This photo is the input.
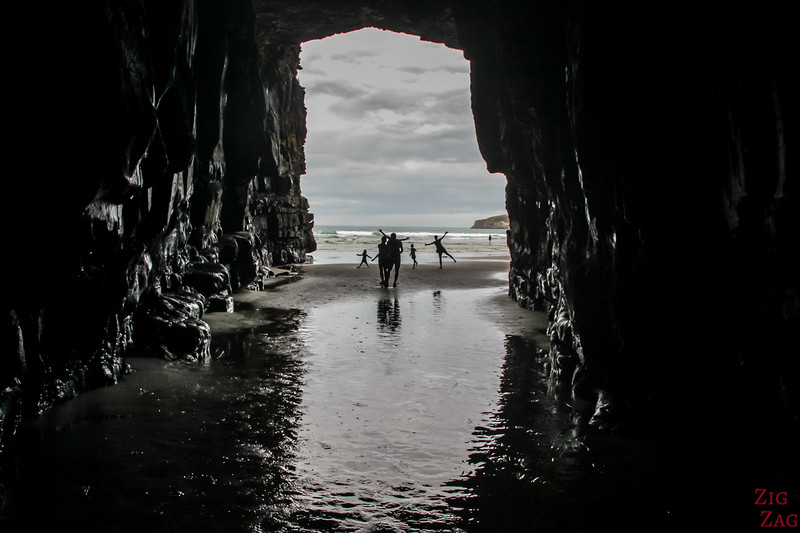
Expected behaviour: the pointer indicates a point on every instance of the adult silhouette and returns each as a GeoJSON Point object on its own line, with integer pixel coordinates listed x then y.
{"type": "Point", "coordinates": [395, 248]}
{"type": "Point", "coordinates": [383, 260]}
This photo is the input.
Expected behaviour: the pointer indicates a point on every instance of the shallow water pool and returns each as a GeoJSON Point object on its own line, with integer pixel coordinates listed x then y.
{"type": "Point", "coordinates": [395, 411]}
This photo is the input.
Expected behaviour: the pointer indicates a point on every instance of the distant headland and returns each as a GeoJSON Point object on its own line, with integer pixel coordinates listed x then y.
{"type": "Point", "coordinates": [496, 222]}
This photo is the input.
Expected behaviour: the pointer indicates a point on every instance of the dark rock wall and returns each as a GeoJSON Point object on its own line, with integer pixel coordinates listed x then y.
{"type": "Point", "coordinates": [161, 155]}
{"type": "Point", "coordinates": [652, 188]}
{"type": "Point", "coordinates": [652, 193]}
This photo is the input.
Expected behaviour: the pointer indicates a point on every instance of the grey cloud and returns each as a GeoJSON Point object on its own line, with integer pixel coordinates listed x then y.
{"type": "Point", "coordinates": [379, 192]}
{"type": "Point", "coordinates": [399, 102]}
{"type": "Point", "coordinates": [354, 56]}
{"type": "Point", "coordinates": [338, 88]}
{"type": "Point", "coordinates": [414, 70]}
{"type": "Point", "coordinates": [456, 101]}
{"type": "Point", "coordinates": [452, 69]}
{"type": "Point", "coordinates": [463, 68]}
{"type": "Point", "coordinates": [309, 72]}
{"type": "Point", "coordinates": [451, 107]}
{"type": "Point", "coordinates": [390, 147]}
{"type": "Point", "coordinates": [359, 172]}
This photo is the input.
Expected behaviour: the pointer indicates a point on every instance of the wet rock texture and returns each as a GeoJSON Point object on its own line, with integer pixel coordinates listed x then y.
{"type": "Point", "coordinates": [652, 187]}
{"type": "Point", "coordinates": [169, 144]}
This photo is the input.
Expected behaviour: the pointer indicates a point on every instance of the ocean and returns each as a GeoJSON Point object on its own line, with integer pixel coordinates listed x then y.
{"type": "Point", "coordinates": [341, 244]}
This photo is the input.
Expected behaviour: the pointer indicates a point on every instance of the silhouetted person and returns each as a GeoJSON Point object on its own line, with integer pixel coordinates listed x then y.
{"type": "Point", "coordinates": [383, 260]}
{"type": "Point", "coordinates": [413, 253]}
{"type": "Point", "coordinates": [395, 247]}
{"type": "Point", "coordinates": [490, 238]}
{"type": "Point", "coordinates": [363, 259]}
{"type": "Point", "coordinates": [440, 249]}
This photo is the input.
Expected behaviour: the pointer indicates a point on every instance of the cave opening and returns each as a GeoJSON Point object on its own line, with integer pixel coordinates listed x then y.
{"type": "Point", "coordinates": [391, 139]}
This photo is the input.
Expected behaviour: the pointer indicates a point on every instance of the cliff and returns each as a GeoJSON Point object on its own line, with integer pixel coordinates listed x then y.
{"type": "Point", "coordinates": [496, 222]}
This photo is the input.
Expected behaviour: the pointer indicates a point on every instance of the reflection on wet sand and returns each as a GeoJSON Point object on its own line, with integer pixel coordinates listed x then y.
{"type": "Point", "coordinates": [539, 466]}
{"type": "Point", "coordinates": [389, 408]}
{"type": "Point", "coordinates": [389, 314]}
{"type": "Point", "coordinates": [173, 447]}
{"type": "Point", "coordinates": [415, 411]}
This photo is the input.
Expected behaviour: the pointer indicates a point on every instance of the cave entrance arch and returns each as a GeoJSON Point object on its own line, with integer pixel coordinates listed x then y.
{"type": "Point", "coordinates": [390, 133]}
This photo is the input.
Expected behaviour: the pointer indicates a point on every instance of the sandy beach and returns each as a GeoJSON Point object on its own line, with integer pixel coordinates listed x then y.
{"type": "Point", "coordinates": [313, 285]}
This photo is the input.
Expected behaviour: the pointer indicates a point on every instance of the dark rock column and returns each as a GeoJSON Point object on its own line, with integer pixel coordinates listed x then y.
{"type": "Point", "coordinates": [168, 126]}
{"type": "Point", "coordinates": [649, 188]}
{"type": "Point", "coordinates": [280, 214]}
{"type": "Point", "coordinates": [519, 78]}
{"type": "Point", "coordinates": [243, 114]}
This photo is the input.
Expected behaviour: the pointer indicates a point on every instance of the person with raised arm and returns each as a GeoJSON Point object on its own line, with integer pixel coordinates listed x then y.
{"type": "Point", "coordinates": [440, 249]}
{"type": "Point", "coordinates": [363, 256]}
{"type": "Point", "coordinates": [383, 260]}
{"type": "Point", "coordinates": [395, 247]}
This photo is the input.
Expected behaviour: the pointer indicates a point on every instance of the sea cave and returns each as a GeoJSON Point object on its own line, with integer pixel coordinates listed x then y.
{"type": "Point", "coordinates": [650, 155]}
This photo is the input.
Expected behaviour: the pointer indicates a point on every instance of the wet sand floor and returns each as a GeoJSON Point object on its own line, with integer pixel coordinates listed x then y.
{"type": "Point", "coordinates": [333, 404]}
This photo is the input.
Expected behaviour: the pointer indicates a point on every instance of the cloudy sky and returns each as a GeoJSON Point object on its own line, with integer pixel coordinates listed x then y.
{"type": "Point", "coordinates": [391, 139]}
